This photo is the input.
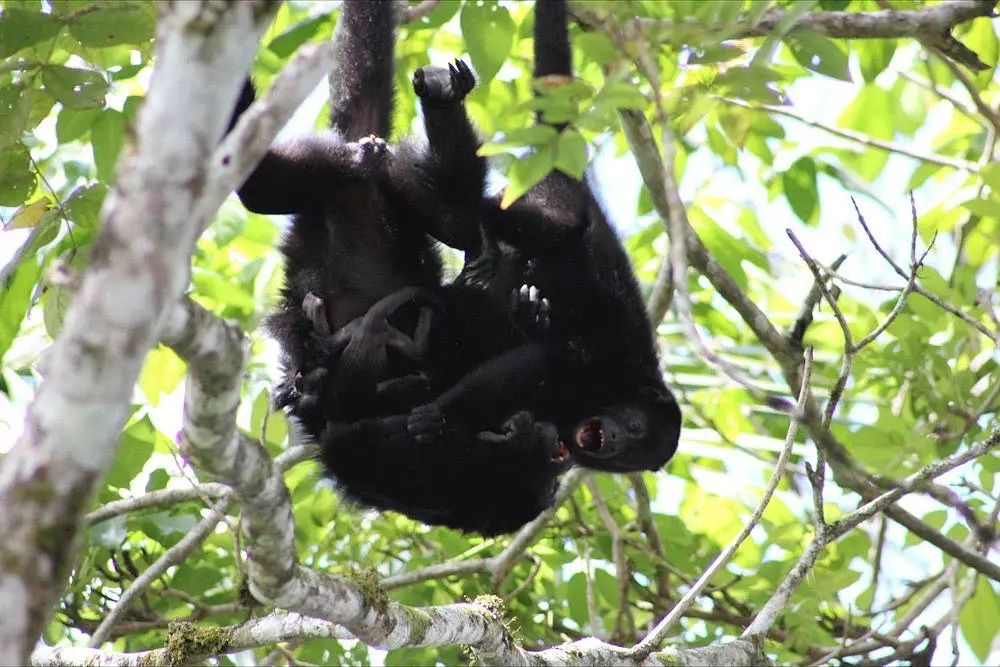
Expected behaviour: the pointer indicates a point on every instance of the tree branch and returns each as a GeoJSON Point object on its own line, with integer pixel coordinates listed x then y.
{"type": "Point", "coordinates": [932, 23]}
{"type": "Point", "coordinates": [140, 263]}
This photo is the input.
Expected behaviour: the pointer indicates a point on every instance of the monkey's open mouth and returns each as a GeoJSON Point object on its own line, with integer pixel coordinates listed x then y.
{"type": "Point", "coordinates": [590, 436]}
{"type": "Point", "coordinates": [562, 452]}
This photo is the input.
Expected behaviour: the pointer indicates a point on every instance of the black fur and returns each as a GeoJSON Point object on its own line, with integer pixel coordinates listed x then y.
{"type": "Point", "coordinates": [361, 208]}
{"type": "Point", "coordinates": [355, 255]}
{"type": "Point", "coordinates": [595, 374]}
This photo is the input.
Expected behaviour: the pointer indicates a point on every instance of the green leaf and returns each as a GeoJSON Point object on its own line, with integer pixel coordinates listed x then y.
{"type": "Point", "coordinates": [195, 580]}
{"type": "Point", "coordinates": [525, 174]}
{"type": "Point", "coordinates": [15, 298]}
{"type": "Point", "coordinates": [488, 30]}
{"type": "Point", "coordinates": [991, 174]}
{"type": "Point", "coordinates": [621, 96]}
{"type": "Point", "coordinates": [109, 534]}
{"type": "Point", "coordinates": [536, 135]}
{"type": "Point", "coordinates": [440, 15]}
{"type": "Point", "coordinates": [134, 450]}
{"type": "Point", "coordinates": [107, 136]}
{"type": "Point", "coordinates": [72, 123]}
{"type": "Point", "coordinates": [157, 480]}
{"type": "Point", "coordinates": [874, 56]}
{"type": "Point", "coordinates": [162, 372]}
{"type": "Point", "coordinates": [167, 527]}
{"type": "Point", "coordinates": [735, 124]}
{"type": "Point", "coordinates": [799, 183]}
{"type": "Point", "coordinates": [20, 28]}
{"type": "Point", "coordinates": [17, 180]}
{"type": "Point", "coordinates": [715, 53]}
{"type": "Point", "coordinates": [42, 233]}
{"type": "Point", "coordinates": [30, 215]}
{"type": "Point", "coordinates": [986, 208]}
{"type": "Point", "coordinates": [980, 618]}
{"type": "Point", "coordinates": [596, 47]}
{"type": "Point", "coordinates": [285, 44]}
{"type": "Point", "coordinates": [83, 207]}
{"type": "Point", "coordinates": [15, 110]}
{"type": "Point", "coordinates": [576, 597]}
{"type": "Point", "coordinates": [819, 54]}
{"type": "Point", "coordinates": [77, 88]}
{"type": "Point", "coordinates": [571, 153]}
{"type": "Point", "coordinates": [115, 22]}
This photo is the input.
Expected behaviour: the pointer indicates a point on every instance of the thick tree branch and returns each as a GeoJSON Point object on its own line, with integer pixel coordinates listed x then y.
{"type": "Point", "coordinates": [214, 352]}
{"type": "Point", "coordinates": [139, 265]}
{"type": "Point", "coordinates": [931, 25]}
{"type": "Point", "coordinates": [277, 628]}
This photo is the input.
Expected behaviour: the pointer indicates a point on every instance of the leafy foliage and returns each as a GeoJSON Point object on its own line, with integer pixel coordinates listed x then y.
{"type": "Point", "coordinates": [73, 74]}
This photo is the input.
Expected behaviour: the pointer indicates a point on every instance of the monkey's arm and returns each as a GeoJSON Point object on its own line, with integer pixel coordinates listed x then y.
{"type": "Point", "coordinates": [298, 176]}
{"type": "Point", "coordinates": [488, 394]}
{"type": "Point", "coordinates": [442, 184]}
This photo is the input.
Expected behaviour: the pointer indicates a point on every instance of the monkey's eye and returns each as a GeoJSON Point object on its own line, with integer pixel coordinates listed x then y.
{"type": "Point", "coordinates": [634, 426]}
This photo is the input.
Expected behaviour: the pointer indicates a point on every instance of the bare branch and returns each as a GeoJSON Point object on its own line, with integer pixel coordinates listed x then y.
{"type": "Point", "coordinates": [654, 638]}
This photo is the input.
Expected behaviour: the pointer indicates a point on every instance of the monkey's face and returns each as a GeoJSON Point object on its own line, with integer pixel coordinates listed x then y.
{"type": "Point", "coordinates": [636, 435]}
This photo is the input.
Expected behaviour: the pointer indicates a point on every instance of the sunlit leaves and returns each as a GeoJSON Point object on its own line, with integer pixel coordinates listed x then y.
{"type": "Point", "coordinates": [20, 28]}
{"type": "Point", "coordinates": [17, 180]}
{"type": "Point", "coordinates": [799, 182]}
{"type": "Point", "coordinates": [819, 54]}
{"type": "Point", "coordinates": [488, 30]}
{"type": "Point", "coordinates": [874, 56]}
{"type": "Point", "coordinates": [115, 22]}
{"type": "Point", "coordinates": [980, 618]}
{"type": "Point", "coordinates": [133, 451]}
{"type": "Point", "coordinates": [74, 87]}
{"type": "Point", "coordinates": [526, 172]}
{"type": "Point", "coordinates": [107, 138]}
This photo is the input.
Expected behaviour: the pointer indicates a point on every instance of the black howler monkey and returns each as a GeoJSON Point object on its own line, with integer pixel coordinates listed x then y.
{"type": "Point", "coordinates": [595, 374]}
{"type": "Point", "coordinates": [361, 208]}
{"type": "Point", "coordinates": [357, 253]}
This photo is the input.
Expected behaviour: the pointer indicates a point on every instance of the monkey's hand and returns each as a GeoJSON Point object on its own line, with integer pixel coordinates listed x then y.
{"type": "Point", "coordinates": [479, 272]}
{"type": "Point", "coordinates": [444, 86]}
{"type": "Point", "coordinates": [540, 437]}
{"type": "Point", "coordinates": [425, 423]}
{"type": "Point", "coordinates": [530, 311]}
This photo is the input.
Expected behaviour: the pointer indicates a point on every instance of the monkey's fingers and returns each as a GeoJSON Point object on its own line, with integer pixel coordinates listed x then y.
{"type": "Point", "coordinates": [468, 79]}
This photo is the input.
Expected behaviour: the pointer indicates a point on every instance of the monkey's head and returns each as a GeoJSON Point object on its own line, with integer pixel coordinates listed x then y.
{"type": "Point", "coordinates": [639, 434]}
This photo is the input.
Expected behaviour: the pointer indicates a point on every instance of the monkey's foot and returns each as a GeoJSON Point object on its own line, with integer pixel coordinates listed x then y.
{"type": "Point", "coordinates": [370, 153]}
